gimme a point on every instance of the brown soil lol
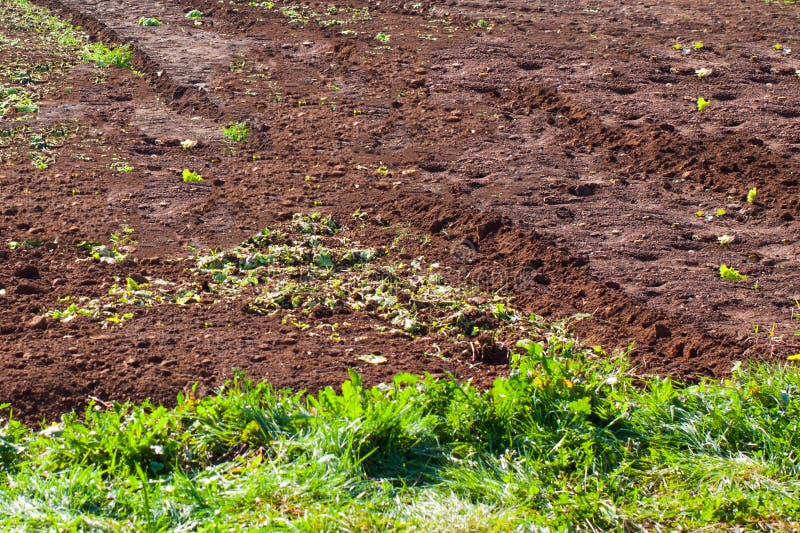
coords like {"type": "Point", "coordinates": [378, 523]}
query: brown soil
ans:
{"type": "Point", "coordinates": [557, 156]}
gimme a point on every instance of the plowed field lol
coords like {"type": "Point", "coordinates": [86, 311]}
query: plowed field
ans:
{"type": "Point", "coordinates": [549, 151]}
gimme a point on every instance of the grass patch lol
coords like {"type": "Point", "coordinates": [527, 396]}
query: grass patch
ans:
{"type": "Point", "coordinates": [566, 442]}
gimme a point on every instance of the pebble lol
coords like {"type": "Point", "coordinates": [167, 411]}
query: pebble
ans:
{"type": "Point", "coordinates": [37, 322]}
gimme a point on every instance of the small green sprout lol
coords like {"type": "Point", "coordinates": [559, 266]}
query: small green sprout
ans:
{"type": "Point", "coordinates": [702, 72]}
{"type": "Point", "coordinates": [702, 103]}
{"type": "Point", "coordinates": [149, 21]}
{"type": "Point", "coordinates": [721, 212]}
{"type": "Point", "coordinates": [698, 45]}
{"type": "Point", "coordinates": [237, 132]}
{"type": "Point", "coordinates": [194, 14]}
{"type": "Point", "coordinates": [777, 47]}
{"type": "Point", "coordinates": [191, 177]}
{"type": "Point", "coordinates": [751, 195]}
{"type": "Point", "coordinates": [677, 46]}
{"type": "Point", "coordinates": [730, 273]}
{"type": "Point", "coordinates": [188, 144]}
{"type": "Point", "coordinates": [484, 24]}
{"type": "Point", "coordinates": [382, 38]}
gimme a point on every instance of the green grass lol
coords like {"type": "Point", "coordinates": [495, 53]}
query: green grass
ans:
{"type": "Point", "coordinates": [567, 442]}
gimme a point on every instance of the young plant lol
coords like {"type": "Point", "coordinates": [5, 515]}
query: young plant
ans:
{"type": "Point", "coordinates": [702, 72]}
{"type": "Point", "coordinates": [121, 166]}
{"type": "Point", "coordinates": [194, 14]}
{"type": "Point", "coordinates": [382, 38]}
{"type": "Point", "coordinates": [191, 177]}
{"type": "Point", "coordinates": [702, 103]}
{"type": "Point", "coordinates": [730, 273]}
{"type": "Point", "coordinates": [149, 21]}
{"type": "Point", "coordinates": [725, 240]}
{"type": "Point", "coordinates": [751, 195]}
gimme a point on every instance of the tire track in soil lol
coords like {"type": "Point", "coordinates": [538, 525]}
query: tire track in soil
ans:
{"type": "Point", "coordinates": [180, 107]}
{"type": "Point", "coordinates": [726, 164]}
{"type": "Point", "coordinates": [663, 162]}
{"type": "Point", "coordinates": [179, 84]}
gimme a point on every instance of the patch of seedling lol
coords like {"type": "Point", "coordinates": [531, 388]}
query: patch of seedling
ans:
{"type": "Point", "coordinates": [237, 132]}
{"type": "Point", "coordinates": [121, 244]}
{"type": "Point", "coordinates": [308, 269]}
{"type": "Point", "coordinates": [332, 16]}
{"type": "Point", "coordinates": [104, 56]}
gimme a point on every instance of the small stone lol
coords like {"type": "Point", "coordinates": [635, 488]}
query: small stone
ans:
{"type": "Point", "coordinates": [37, 322]}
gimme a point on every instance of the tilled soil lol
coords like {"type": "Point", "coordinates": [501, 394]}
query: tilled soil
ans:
{"type": "Point", "coordinates": [548, 150]}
